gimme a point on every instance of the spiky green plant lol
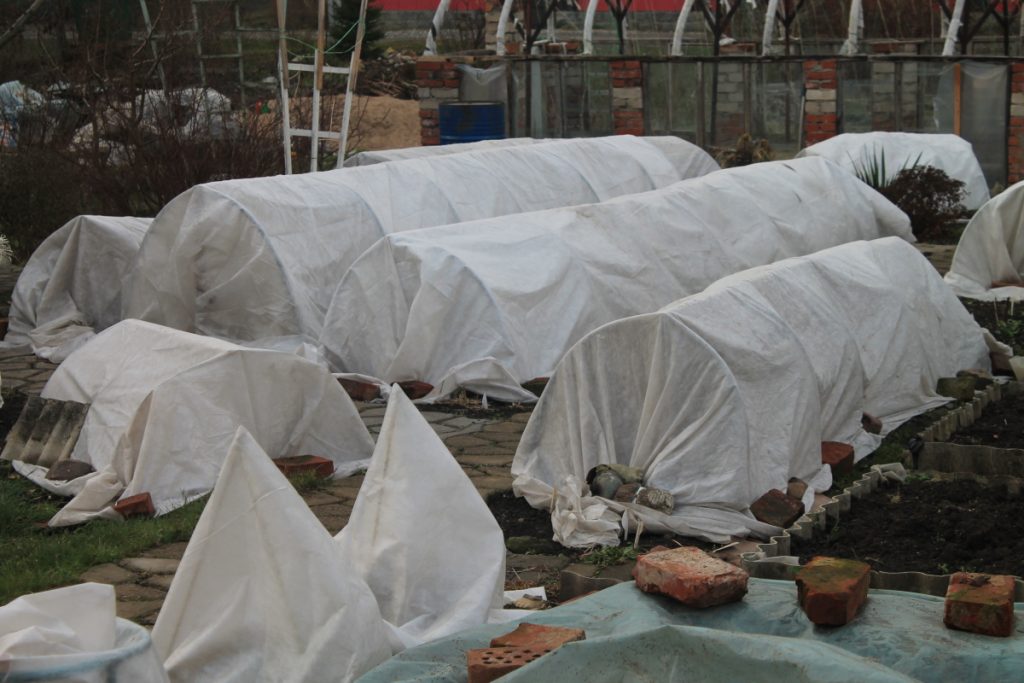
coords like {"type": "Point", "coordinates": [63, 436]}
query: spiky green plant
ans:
{"type": "Point", "coordinates": [873, 171]}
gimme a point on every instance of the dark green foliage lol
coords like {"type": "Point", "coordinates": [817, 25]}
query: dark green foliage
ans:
{"type": "Point", "coordinates": [343, 32]}
{"type": "Point", "coordinates": [929, 196]}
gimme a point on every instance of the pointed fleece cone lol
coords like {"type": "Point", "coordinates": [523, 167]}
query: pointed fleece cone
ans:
{"type": "Point", "coordinates": [421, 535]}
{"type": "Point", "coordinates": [262, 593]}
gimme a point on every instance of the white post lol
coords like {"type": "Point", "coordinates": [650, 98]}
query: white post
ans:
{"type": "Point", "coordinates": [769, 27]}
{"type": "Point", "coordinates": [588, 27]}
{"type": "Point", "coordinates": [282, 63]}
{"type": "Point", "coordinates": [350, 86]}
{"type": "Point", "coordinates": [435, 27]}
{"type": "Point", "coordinates": [318, 84]}
{"type": "Point", "coordinates": [854, 28]}
{"type": "Point", "coordinates": [953, 29]}
{"type": "Point", "coordinates": [506, 11]}
{"type": "Point", "coordinates": [677, 36]}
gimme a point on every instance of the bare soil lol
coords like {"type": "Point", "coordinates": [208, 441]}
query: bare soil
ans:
{"type": "Point", "coordinates": [1003, 319]}
{"type": "Point", "coordinates": [936, 527]}
{"type": "Point", "coordinates": [1001, 425]}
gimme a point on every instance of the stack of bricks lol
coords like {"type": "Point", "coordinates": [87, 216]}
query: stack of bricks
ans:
{"type": "Point", "coordinates": [437, 81]}
{"type": "Point", "coordinates": [820, 120]}
{"type": "Point", "coordinates": [1016, 128]}
{"type": "Point", "coordinates": [627, 96]}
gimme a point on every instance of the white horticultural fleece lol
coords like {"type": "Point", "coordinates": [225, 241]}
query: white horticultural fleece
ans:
{"type": "Point", "coordinates": [258, 259]}
{"type": "Point", "coordinates": [724, 395]}
{"type": "Point", "coordinates": [491, 304]}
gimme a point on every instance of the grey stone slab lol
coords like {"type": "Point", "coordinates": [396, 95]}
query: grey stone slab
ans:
{"type": "Point", "coordinates": [169, 551]}
{"type": "Point", "coordinates": [151, 565]}
{"type": "Point", "coordinates": [134, 591]}
{"type": "Point", "coordinates": [108, 573]}
{"type": "Point", "coordinates": [138, 610]}
{"type": "Point", "coordinates": [161, 581]}
{"type": "Point", "coordinates": [464, 441]}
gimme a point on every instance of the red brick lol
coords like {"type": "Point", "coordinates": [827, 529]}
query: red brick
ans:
{"type": "Point", "coordinates": [838, 456]}
{"type": "Point", "coordinates": [980, 603]}
{"type": "Point", "coordinates": [451, 83]}
{"type": "Point", "coordinates": [625, 64]}
{"type": "Point", "coordinates": [414, 389]}
{"type": "Point", "coordinates": [430, 83]}
{"type": "Point", "coordinates": [298, 464]}
{"type": "Point", "coordinates": [831, 591]}
{"type": "Point", "coordinates": [778, 509]}
{"type": "Point", "coordinates": [539, 638]}
{"type": "Point", "coordinates": [691, 576]}
{"type": "Point", "coordinates": [359, 391]}
{"type": "Point", "coordinates": [487, 664]}
{"type": "Point", "coordinates": [139, 505]}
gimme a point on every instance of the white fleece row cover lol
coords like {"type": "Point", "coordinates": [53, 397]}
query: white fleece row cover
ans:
{"type": "Point", "coordinates": [951, 153]}
{"type": "Point", "coordinates": [259, 258]}
{"type": "Point", "coordinates": [727, 394]}
{"type": "Point", "coordinates": [165, 405]}
{"type": "Point", "coordinates": [989, 260]}
{"type": "Point", "coordinates": [74, 278]}
{"type": "Point", "coordinates": [264, 594]}
{"type": "Point", "coordinates": [382, 155]}
{"type": "Point", "coordinates": [491, 304]}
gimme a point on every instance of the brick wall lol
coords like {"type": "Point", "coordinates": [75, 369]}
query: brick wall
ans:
{"type": "Point", "coordinates": [627, 96]}
{"type": "Point", "coordinates": [820, 119]}
{"type": "Point", "coordinates": [437, 81]}
{"type": "Point", "coordinates": [1015, 169]}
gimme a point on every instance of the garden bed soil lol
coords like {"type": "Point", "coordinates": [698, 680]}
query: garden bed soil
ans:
{"type": "Point", "coordinates": [929, 526]}
{"type": "Point", "coordinates": [1001, 425]}
{"type": "Point", "coordinates": [996, 316]}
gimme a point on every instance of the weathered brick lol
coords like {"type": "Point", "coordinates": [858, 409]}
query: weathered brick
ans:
{"type": "Point", "coordinates": [832, 590]}
{"type": "Point", "coordinates": [838, 456]}
{"type": "Point", "coordinates": [691, 576]}
{"type": "Point", "coordinates": [539, 638]}
{"type": "Point", "coordinates": [360, 391]}
{"type": "Point", "coordinates": [298, 464]}
{"type": "Point", "coordinates": [980, 603]}
{"type": "Point", "coordinates": [415, 389]}
{"type": "Point", "coordinates": [139, 505]}
{"type": "Point", "coordinates": [778, 509]}
{"type": "Point", "coordinates": [487, 664]}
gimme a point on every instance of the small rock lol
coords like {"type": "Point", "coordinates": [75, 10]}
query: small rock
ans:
{"type": "Point", "coordinates": [980, 603]}
{"type": "Point", "coordinates": [870, 423]}
{"type": "Point", "coordinates": [960, 388]}
{"type": "Point", "coordinates": [529, 602]}
{"type": "Point", "coordinates": [832, 590]}
{"type": "Point", "coordinates": [66, 470]}
{"type": "Point", "coordinates": [627, 493]}
{"type": "Point", "coordinates": [777, 509]}
{"type": "Point", "coordinates": [605, 483]}
{"type": "Point", "coordinates": [629, 475]}
{"type": "Point", "coordinates": [415, 389]}
{"type": "Point", "coordinates": [838, 456]}
{"type": "Point", "coordinates": [656, 499]}
{"type": "Point", "coordinates": [537, 637]}
{"type": "Point", "coordinates": [691, 576]}
{"type": "Point", "coordinates": [796, 488]}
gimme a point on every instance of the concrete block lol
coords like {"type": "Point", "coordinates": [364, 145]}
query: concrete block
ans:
{"type": "Point", "coordinates": [831, 590]}
{"type": "Point", "coordinates": [691, 576]}
{"type": "Point", "coordinates": [980, 603]}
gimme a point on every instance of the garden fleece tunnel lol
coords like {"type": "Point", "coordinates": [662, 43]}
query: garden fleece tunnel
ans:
{"type": "Point", "coordinates": [257, 259]}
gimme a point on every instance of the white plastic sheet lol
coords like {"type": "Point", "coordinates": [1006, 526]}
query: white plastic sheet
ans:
{"type": "Point", "coordinates": [490, 304]}
{"type": "Point", "coordinates": [724, 395]}
{"type": "Point", "coordinates": [989, 260]}
{"type": "Point", "coordinates": [379, 156]}
{"type": "Point", "coordinates": [255, 258]}
{"type": "Point", "coordinates": [951, 153]}
{"type": "Point", "coordinates": [262, 592]}
{"type": "Point", "coordinates": [74, 280]}
{"type": "Point", "coordinates": [71, 635]}
{"type": "Point", "coordinates": [165, 405]}
{"type": "Point", "coordinates": [265, 594]}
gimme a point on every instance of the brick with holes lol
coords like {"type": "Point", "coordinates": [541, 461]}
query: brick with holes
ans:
{"type": "Point", "coordinates": [487, 664]}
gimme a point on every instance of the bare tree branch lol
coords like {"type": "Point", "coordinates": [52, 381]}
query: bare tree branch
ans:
{"type": "Point", "coordinates": [19, 23]}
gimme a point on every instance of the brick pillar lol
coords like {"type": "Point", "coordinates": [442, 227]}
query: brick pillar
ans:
{"type": "Point", "coordinates": [1015, 167]}
{"type": "Point", "coordinates": [820, 120]}
{"type": "Point", "coordinates": [437, 80]}
{"type": "Point", "coordinates": [627, 97]}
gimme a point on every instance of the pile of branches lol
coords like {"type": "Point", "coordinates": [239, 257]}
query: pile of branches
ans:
{"type": "Point", "coordinates": [393, 74]}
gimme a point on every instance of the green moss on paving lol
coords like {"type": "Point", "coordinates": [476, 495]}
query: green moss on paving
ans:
{"type": "Point", "coordinates": [34, 557]}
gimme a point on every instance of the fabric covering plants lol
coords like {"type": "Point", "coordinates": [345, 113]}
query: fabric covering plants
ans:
{"type": "Point", "coordinates": [491, 304]}
{"type": "Point", "coordinates": [71, 286]}
{"type": "Point", "coordinates": [258, 259]}
{"type": "Point", "coordinates": [164, 405]}
{"type": "Point", "coordinates": [264, 593]}
{"type": "Point", "coordinates": [951, 153]}
{"type": "Point", "coordinates": [724, 395]}
{"type": "Point", "coordinates": [989, 260]}
{"type": "Point", "coordinates": [383, 155]}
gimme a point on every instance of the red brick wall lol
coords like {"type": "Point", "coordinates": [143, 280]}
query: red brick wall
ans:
{"type": "Point", "coordinates": [1015, 169]}
{"type": "Point", "coordinates": [437, 80]}
{"type": "Point", "coordinates": [627, 97]}
{"type": "Point", "coordinates": [820, 118]}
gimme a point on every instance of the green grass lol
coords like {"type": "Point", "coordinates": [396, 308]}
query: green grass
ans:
{"type": "Point", "coordinates": [35, 558]}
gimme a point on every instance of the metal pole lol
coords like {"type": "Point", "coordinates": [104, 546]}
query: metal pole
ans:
{"type": "Point", "coordinates": [282, 63]}
{"type": "Point", "coordinates": [318, 84]}
{"type": "Point", "coordinates": [353, 79]}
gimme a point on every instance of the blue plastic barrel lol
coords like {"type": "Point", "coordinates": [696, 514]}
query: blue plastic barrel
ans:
{"type": "Point", "coordinates": [471, 121]}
